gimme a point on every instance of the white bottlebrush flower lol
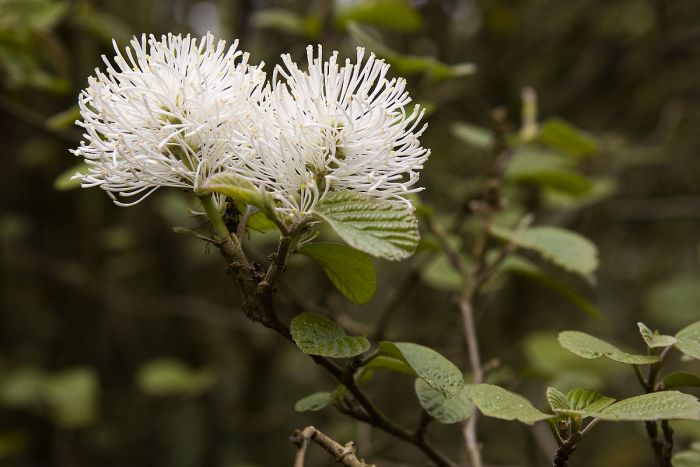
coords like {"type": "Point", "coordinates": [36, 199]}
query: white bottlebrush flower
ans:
{"type": "Point", "coordinates": [339, 128]}
{"type": "Point", "coordinates": [165, 113]}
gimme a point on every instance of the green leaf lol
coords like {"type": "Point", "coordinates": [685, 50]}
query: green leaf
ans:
{"type": "Point", "coordinates": [287, 21]}
{"type": "Point", "coordinates": [558, 134]}
{"type": "Point", "coordinates": [171, 377]}
{"type": "Point", "coordinates": [394, 14]}
{"type": "Point", "coordinates": [564, 248]}
{"type": "Point", "coordinates": [587, 346]}
{"type": "Point", "coordinates": [452, 410]}
{"type": "Point", "coordinates": [475, 136]}
{"type": "Point", "coordinates": [315, 334]}
{"type": "Point", "coordinates": [71, 397]}
{"type": "Point", "coordinates": [663, 405]}
{"type": "Point", "coordinates": [314, 402]}
{"type": "Point", "coordinates": [260, 223]}
{"type": "Point", "coordinates": [522, 267]}
{"type": "Point", "coordinates": [38, 15]}
{"type": "Point", "coordinates": [675, 302]}
{"type": "Point", "coordinates": [21, 388]}
{"type": "Point", "coordinates": [379, 228]}
{"type": "Point", "coordinates": [350, 271]}
{"type": "Point", "coordinates": [547, 169]}
{"type": "Point", "coordinates": [439, 274]}
{"type": "Point", "coordinates": [654, 339]}
{"type": "Point", "coordinates": [686, 459]}
{"type": "Point", "coordinates": [64, 119]}
{"type": "Point", "coordinates": [65, 180]}
{"type": "Point", "coordinates": [494, 401]}
{"type": "Point", "coordinates": [410, 64]}
{"type": "Point", "coordinates": [689, 340]}
{"type": "Point", "coordinates": [577, 402]}
{"type": "Point", "coordinates": [557, 400]}
{"type": "Point", "coordinates": [238, 188]}
{"type": "Point", "coordinates": [384, 362]}
{"type": "Point", "coordinates": [428, 365]}
{"type": "Point", "coordinates": [586, 402]}
{"type": "Point", "coordinates": [680, 379]}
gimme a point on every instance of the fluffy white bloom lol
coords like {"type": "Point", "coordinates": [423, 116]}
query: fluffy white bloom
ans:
{"type": "Point", "coordinates": [336, 128]}
{"type": "Point", "coordinates": [163, 114]}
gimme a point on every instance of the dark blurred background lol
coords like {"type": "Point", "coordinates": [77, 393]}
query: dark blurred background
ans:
{"type": "Point", "coordinates": [122, 343]}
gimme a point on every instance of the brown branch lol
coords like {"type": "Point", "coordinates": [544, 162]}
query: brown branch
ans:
{"type": "Point", "coordinates": [259, 306]}
{"type": "Point", "coordinates": [344, 454]}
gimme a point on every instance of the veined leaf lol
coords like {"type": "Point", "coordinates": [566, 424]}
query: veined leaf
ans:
{"type": "Point", "coordinates": [564, 248]}
{"type": "Point", "coordinates": [428, 365]}
{"type": "Point", "coordinates": [494, 401]}
{"type": "Point", "coordinates": [577, 402]}
{"type": "Point", "coordinates": [654, 339]}
{"type": "Point", "coordinates": [586, 402]}
{"type": "Point", "coordinates": [663, 405]}
{"type": "Point", "coordinates": [557, 400]}
{"type": "Point", "coordinates": [587, 346]}
{"type": "Point", "coordinates": [377, 227]}
{"type": "Point", "coordinates": [350, 271]}
{"type": "Point", "coordinates": [689, 340]}
{"type": "Point", "coordinates": [315, 334]}
{"type": "Point", "coordinates": [452, 410]}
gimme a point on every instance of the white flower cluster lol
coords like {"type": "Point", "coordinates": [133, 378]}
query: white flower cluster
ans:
{"type": "Point", "coordinates": [172, 112]}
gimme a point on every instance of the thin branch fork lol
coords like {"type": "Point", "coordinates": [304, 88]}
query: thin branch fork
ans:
{"type": "Point", "coordinates": [345, 454]}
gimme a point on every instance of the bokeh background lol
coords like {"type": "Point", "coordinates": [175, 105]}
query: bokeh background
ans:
{"type": "Point", "coordinates": [122, 343]}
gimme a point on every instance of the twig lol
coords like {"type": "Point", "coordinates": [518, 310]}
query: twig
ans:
{"type": "Point", "coordinates": [258, 305]}
{"type": "Point", "coordinates": [344, 454]}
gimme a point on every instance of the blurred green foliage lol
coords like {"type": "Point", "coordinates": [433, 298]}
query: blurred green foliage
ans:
{"type": "Point", "coordinates": [123, 344]}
